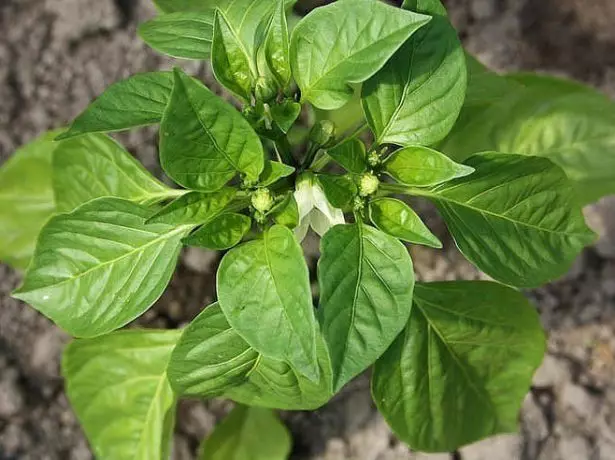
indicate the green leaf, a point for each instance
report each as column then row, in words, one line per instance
column 94, row 166
column 339, row 190
column 417, row 96
column 287, row 212
column 230, row 60
column 248, row 433
column 399, row 220
column 173, row 6
column 276, row 47
column 223, row 232
column 26, row 199
column 139, row 100
column 194, row 208
column 351, row 155
column 99, row 267
column 211, row 358
column 183, row 35
column 366, row 282
column 432, row 7
column 118, row 388
column 264, row 291
column 423, row 167
column 470, row 349
column 273, row 172
column 285, row 114
column 204, row 141
column 515, row 218
column 346, row 42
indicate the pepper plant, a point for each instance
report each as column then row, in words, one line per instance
column 333, row 126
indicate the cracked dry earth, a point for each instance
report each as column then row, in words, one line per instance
column 56, row 55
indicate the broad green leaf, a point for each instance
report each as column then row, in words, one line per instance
column 556, row 85
column 174, row 6
column 515, row 218
column 399, row 220
column 432, row 7
column 26, row 199
column 248, row 433
column 99, row 267
column 423, row 167
column 339, row 190
column 285, row 114
column 194, row 208
column 230, row 61
column 286, row 212
column 94, row 166
column 204, row 141
column 211, row 358
column 222, row 232
column 366, row 282
column 183, row 35
column 347, row 119
column 470, row 349
column 273, row 172
column 264, row 291
column 118, row 388
column 351, row 155
column 346, row 42
column 139, row 100
column 417, row 96
column 276, row 46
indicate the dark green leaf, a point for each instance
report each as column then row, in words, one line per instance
column 470, row 350
column 324, row 65
column 350, row 154
column 366, row 282
column 423, row 167
column 139, row 100
column 287, row 212
column 223, row 232
column 399, row 220
column 285, row 114
column 273, row 172
column 204, row 141
column 183, row 35
column 264, row 291
column 194, row 208
column 276, row 47
column 98, row 268
column 119, row 390
column 339, row 190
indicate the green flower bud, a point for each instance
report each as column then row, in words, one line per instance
column 322, row 133
column 368, row 184
column 265, row 90
column 262, row 200
column 373, row 159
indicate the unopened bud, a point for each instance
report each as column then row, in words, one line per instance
column 262, row 200
column 373, row 159
column 368, row 184
column 322, row 133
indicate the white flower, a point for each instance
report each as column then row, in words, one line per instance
column 314, row 209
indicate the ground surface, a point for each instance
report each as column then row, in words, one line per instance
column 55, row 55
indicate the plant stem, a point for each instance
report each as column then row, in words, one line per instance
column 284, row 150
column 309, row 157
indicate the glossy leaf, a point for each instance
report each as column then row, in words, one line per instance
column 286, row 212
column 285, row 114
column 276, row 46
column 366, row 283
column 417, row 96
column 399, row 220
column 183, row 35
column 339, row 190
column 273, row 172
column 139, row 100
column 194, row 208
column 222, row 232
column 204, row 141
column 98, row 268
column 248, row 433
column 264, row 291
column 351, row 155
column 118, row 388
column 94, row 166
column 470, row 349
column 515, row 218
column 423, row 167
column 26, row 199
column 173, row 6
column 346, row 42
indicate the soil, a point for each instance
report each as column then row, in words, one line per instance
column 56, row 55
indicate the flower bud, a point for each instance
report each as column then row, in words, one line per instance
column 262, row 200
column 322, row 133
column 368, row 184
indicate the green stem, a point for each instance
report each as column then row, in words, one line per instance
column 309, row 157
column 284, row 150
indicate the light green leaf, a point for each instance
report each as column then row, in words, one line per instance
column 99, row 267
column 222, row 232
column 515, row 218
column 183, row 35
column 432, row 7
column 94, row 166
column 399, row 220
column 366, row 283
column 173, row 6
column 139, row 100
column 276, row 47
column 273, row 172
column 287, row 212
column 204, row 141
column 118, row 388
column 264, row 291
column 26, row 199
column 339, row 190
column 417, row 96
column 194, row 208
column 346, row 42
column 248, row 433
column 285, row 114
column 351, row 155
column 470, row 349
column 423, row 167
